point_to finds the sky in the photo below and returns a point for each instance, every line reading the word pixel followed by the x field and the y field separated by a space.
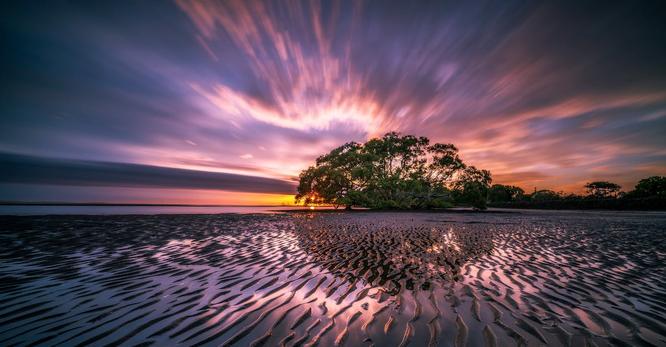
pixel 226 102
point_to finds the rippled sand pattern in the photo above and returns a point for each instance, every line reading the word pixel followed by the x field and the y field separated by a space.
pixel 449 279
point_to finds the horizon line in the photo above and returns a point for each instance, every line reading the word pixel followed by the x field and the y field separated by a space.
pixel 39 203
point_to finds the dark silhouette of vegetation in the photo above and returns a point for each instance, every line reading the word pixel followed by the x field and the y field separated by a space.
pixel 396 172
pixel 602 189
pixel 472 187
pixel 651 187
pixel 407 172
pixel 649 194
pixel 545 195
pixel 503 193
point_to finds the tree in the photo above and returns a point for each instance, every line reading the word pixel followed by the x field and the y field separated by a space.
pixel 504 193
pixel 472 187
pixel 654 186
pixel 333 178
pixel 545 195
pixel 602 189
pixel 323 184
pixel 393 171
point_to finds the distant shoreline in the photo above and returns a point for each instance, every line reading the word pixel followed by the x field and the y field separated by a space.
pixel 5 203
pixel 619 204
pixel 365 210
pixel 300 208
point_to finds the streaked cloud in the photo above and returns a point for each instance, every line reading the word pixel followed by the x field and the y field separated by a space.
pixel 302 80
pixel 38 170
pixel 542 94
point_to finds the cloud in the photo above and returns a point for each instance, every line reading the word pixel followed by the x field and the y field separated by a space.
pixel 568 90
pixel 48 171
pixel 307 80
pixel 525 179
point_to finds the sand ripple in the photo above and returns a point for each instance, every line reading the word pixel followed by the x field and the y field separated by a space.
pixel 450 279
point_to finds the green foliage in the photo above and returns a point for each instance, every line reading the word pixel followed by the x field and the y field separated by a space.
pixel 394 171
pixel 602 189
pixel 472 187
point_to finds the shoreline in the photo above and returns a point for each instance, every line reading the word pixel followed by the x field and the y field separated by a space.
pixel 322 212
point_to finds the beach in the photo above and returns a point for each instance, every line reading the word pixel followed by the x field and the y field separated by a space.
pixel 498 278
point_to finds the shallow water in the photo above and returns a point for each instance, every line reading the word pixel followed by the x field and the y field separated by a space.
pixel 531 278
pixel 40 210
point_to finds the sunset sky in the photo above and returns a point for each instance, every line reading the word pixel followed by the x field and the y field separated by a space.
pixel 225 102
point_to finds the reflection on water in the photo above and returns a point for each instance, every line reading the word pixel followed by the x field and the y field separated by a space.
pixel 333 278
pixel 41 210
pixel 390 253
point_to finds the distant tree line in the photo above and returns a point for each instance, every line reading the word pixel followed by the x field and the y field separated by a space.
pixel 407 172
pixel 649 194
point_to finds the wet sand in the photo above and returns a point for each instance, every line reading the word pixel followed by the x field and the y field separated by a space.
pixel 384 279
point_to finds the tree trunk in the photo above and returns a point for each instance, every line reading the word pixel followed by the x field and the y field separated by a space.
pixel 348 208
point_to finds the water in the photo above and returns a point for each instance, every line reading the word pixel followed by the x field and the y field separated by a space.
pixel 455 278
pixel 34 210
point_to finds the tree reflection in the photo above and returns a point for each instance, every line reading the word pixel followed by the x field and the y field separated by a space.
pixel 391 255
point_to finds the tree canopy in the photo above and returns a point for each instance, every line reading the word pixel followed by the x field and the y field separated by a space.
pixel 649 194
pixel 602 189
pixel 505 193
pixel 545 195
pixel 394 171
pixel 654 186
